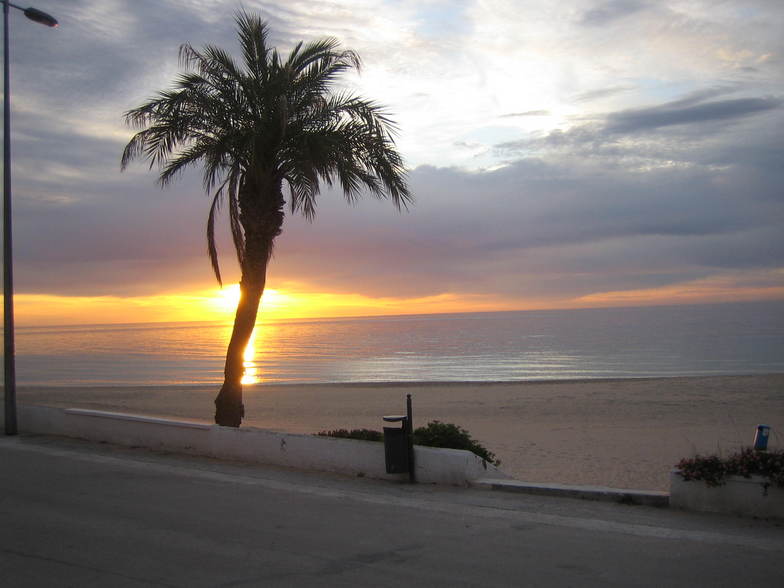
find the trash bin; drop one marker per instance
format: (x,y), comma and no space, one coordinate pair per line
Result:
(761,437)
(396,445)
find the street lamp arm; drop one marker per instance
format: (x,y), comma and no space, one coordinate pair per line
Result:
(35,15)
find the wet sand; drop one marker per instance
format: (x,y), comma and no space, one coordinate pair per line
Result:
(618,433)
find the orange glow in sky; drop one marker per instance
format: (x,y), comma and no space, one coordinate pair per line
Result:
(220,304)
(298,301)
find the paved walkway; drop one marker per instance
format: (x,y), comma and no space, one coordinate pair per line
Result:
(78,514)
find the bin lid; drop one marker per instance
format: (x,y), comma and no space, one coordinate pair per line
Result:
(394,418)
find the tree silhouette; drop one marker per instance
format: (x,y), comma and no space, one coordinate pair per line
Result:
(256,129)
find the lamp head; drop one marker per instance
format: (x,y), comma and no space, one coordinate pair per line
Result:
(40,16)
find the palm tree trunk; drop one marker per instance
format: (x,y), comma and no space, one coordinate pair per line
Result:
(261,215)
(229,409)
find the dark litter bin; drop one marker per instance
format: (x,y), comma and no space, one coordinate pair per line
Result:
(396,445)
(399,443)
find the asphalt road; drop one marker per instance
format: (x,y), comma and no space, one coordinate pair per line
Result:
(78,514)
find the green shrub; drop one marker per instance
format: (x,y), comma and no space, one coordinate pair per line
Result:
(714,470)
(361,434)
(438,434)
(710,469)
(435,434)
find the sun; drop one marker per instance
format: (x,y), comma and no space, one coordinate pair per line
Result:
(227,298)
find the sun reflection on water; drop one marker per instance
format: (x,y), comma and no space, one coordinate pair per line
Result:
(251,375)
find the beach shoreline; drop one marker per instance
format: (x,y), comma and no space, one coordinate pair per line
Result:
(622,433)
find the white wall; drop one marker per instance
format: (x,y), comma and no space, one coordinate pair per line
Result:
(310,452)
(739,496)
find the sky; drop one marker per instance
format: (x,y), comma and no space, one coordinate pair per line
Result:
(580,153)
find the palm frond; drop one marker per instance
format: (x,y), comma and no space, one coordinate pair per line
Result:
(304,187)
(212,248)
(237,234)
(253,32)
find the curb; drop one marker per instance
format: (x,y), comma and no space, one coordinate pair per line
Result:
(601,493)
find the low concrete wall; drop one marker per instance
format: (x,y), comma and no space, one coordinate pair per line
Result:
(750,497)
(310,452)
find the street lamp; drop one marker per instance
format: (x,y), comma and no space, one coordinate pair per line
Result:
(9,380)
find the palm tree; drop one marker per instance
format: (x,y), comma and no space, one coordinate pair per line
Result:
(254,129)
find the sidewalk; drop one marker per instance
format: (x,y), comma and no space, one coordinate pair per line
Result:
(81,514)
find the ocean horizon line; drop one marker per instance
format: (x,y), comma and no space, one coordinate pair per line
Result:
(402,383)
(272,320)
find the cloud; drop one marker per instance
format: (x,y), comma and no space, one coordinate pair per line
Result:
(642,119)
(601,93)
(467,145)
(527,113)
(610,11)
(692,130)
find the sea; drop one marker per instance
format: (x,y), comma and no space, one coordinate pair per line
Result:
(663,341)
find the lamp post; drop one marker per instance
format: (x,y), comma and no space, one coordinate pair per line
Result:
(9,380)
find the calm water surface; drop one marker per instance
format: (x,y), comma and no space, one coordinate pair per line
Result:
(745,338)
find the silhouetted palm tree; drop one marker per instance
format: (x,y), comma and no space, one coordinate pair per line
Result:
(255,128)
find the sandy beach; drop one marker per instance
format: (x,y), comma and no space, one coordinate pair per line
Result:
(618,433)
